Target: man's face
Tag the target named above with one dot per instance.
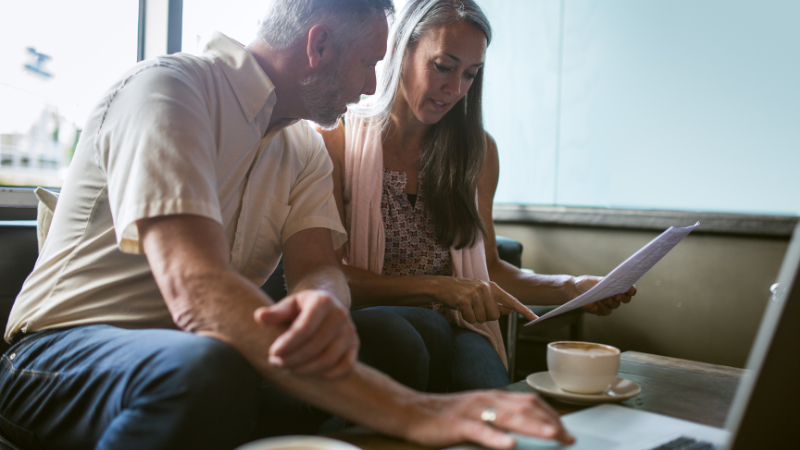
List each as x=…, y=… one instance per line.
x=326, y=95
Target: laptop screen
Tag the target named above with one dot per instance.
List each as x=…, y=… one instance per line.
x=765, y=411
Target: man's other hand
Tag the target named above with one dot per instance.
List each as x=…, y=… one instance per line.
x=321, y=339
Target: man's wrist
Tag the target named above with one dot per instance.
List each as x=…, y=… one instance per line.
x=323, y=292
x=409, y=409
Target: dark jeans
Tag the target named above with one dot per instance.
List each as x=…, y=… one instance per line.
x=449, y=358
x=107, y=388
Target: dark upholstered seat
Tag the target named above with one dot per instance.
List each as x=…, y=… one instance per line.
x=18, y=253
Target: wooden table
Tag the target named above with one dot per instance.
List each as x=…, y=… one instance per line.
x=684, y=389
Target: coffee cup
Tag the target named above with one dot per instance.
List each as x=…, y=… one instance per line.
x=582, y=367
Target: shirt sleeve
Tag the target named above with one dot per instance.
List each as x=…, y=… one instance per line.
x=157, y=146
x=311, y=197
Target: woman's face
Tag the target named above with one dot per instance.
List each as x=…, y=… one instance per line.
x=441, y=68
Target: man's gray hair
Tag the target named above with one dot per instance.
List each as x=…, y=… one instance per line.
x=289, y=21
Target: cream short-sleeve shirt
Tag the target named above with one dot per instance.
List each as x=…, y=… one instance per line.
x=176, y=135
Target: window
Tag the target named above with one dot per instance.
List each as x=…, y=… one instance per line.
x=237, y=19
x=676, y=105
x=58, y=57
x=626, y=104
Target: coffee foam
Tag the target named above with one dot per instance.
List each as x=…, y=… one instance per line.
x=582, y=348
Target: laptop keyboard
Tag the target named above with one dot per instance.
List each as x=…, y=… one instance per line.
x=685, y=443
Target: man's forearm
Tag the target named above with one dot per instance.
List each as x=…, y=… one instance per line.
x=365, y=396
x=219, y=303
x=328, y=278
x=222, y=307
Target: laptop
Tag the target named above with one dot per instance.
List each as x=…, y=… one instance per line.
x=765, y=413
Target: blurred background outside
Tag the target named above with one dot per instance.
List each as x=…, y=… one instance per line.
x=665, y=105
x=58, y=57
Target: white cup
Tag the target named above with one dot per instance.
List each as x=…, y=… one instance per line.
x=582, y=367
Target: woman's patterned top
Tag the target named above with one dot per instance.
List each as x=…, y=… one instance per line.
x=411, y=246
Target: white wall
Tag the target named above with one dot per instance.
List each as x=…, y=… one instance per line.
x=679, y=104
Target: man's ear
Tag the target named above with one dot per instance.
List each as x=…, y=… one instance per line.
x=320, y=49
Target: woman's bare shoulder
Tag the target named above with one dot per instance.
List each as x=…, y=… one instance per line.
x=491, y=146
x=492, y=165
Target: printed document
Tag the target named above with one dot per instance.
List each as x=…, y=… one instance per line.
x=627, y=273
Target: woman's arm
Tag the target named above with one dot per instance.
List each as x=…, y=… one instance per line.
x=530, y=289
x=477, y=300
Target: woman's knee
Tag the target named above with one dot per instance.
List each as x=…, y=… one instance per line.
x=476, y=363
x=432, y=327
x=392, y=345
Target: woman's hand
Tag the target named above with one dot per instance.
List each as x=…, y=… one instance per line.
x=483, y=417
x=478, y=301
x=605, y=306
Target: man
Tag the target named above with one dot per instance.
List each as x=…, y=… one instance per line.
x=142, y=325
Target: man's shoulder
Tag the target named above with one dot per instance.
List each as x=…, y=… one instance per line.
x=180, y=67
x=303, y=145
x=303, y=136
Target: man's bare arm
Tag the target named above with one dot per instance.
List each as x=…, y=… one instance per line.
x=309, y=262
x=189, y=259
x=321, y=340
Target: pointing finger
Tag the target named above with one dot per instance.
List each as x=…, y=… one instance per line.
x=505, y=299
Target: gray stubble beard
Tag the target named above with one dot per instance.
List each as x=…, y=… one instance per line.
x=321, y=97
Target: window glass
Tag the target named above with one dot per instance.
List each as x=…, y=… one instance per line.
x=58, y=59
x=674, y=105
x=237, y=19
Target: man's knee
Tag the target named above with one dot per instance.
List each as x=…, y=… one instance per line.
x=205, y=368
x=193, y=392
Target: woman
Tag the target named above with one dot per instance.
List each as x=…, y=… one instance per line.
x=408, y=167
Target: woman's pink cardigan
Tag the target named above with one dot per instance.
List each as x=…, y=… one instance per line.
x=363, y=187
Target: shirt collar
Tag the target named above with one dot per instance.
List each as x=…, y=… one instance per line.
x=252, y=86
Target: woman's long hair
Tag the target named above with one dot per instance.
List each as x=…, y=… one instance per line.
x=454, y=151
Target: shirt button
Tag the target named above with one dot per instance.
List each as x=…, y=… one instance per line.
x=12, y=356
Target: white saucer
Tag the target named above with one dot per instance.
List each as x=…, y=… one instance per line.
x=297, y=443
x=622, y=389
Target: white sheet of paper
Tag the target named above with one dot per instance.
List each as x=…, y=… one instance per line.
x=627, y=273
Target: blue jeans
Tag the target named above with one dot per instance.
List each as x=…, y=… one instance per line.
x=107, y=388
x=456, y=359
x=104, y=387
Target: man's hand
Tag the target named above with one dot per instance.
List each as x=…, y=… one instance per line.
x=452, y=419
x=478, y=301
x=605, y=306
x=321, y=339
